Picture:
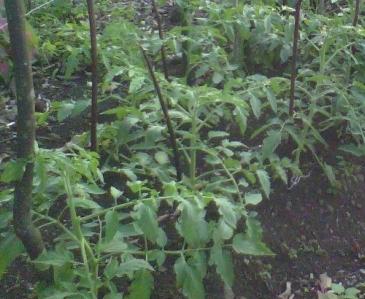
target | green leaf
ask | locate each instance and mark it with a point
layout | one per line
(131, 266)
(162, 158)
(13, 171)
(111, 225)
(270, 143)
(85, 204)
(264, 180)
(10, 249)
(71, 109)
(142, 285)
(272, 99)
(54, 258)
(329, 172)
(115, 193)
(217, 134)
(217, 78)
(191, 225)
(189, 280)
(250, 243)
(253, 198)
(227, 210)
(224, 265)
(255, 105)
(146, 220)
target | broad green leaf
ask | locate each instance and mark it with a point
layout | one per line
(253, 198)
(272, 99)
(250, 243)
(191, 224)
(162, 158)
(10, 248)
(255, 105)
(131, 266)
(111, 225)
(54, 258)
(146, 220)
(270, 143)
(227, 210)
(13, 171)
(189, 280)
(85, 204)
(142, 285)
(224, 265)
(264, 180)
(71, 109)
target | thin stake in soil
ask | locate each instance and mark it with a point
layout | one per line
(165, 111)
(94, 71)
(24, 227)
(294, 59)
(356, 13)
(160, 33)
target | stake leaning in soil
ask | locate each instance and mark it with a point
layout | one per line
(165, 111)
(24, 227)
(94, 71)
(160, 33)
(294, 59)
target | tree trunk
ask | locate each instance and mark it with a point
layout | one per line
(24, 228)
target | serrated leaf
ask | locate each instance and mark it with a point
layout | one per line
(192, 225)
(85, 204)
(131, 266)
(270, 143)
(13, 171)
(162, 158)
(71, 109)
(189, 280)
(111, 225)
(142, 285)
(250, 243)
(264, 180)
(217, 134)
(227, 210)
(10, 248)
(224, 265)
(253, 198)
(146, 220)
(272, 99)
(54, 258)
(255, 105)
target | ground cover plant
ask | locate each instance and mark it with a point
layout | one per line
(169, 135)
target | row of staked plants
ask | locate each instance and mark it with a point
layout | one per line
(192, 141)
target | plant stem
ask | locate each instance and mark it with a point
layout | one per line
(165, 111)
(160, 33)
(193, 146)
(294, 59)
(94, 71)
(24, 227)
(356, 13)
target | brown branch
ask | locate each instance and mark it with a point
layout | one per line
(94, 61)
(160, 33)
(356, 14)
(24, 227)
(166, 115)
(294, 59)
